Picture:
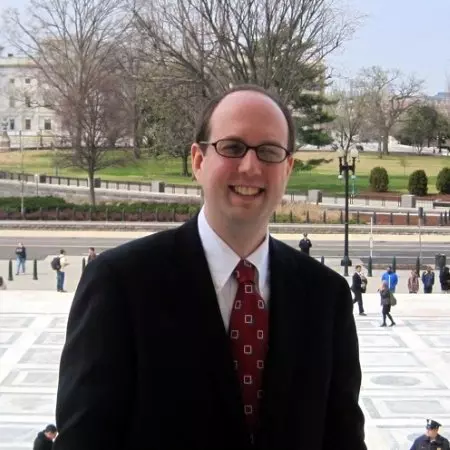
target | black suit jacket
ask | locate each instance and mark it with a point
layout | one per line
(147, 362)
(356, 283)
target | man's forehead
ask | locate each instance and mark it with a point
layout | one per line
(239, 106)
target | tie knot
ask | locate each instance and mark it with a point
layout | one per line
(245, 272)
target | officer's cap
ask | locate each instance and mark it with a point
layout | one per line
(432, 424)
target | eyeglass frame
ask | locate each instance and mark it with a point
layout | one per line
(247, 148)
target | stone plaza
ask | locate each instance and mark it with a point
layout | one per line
(405, 368)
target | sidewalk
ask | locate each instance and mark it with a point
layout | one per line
(275, 228)
(132, 234)
(47, 276)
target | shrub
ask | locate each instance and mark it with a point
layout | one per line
(443, 181)
(379, 179)
(418, 183)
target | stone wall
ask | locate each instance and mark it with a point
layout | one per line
(81, 194)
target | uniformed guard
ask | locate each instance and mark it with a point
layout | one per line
(431, 440)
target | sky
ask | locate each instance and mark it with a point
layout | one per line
(410, 35)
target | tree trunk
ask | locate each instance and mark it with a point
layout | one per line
(91, 174)
(386, 142)
(184, 159)
(137, 151)
(136, 138)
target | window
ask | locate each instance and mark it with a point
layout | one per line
(27, 124)
(27, 101)
(12, 101)
(27, 80)
(11, 124)
(47, 124)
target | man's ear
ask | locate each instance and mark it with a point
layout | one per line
(290, 165)
(197, 156)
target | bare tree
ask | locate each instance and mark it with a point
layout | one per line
(104, 122)
(274, 43)
(137, 71)
(72, 43)
(350, 112)
(389, 96)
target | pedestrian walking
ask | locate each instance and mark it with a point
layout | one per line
(21, 257)
(359, 284)
(391, 279)
(59, 263)
(413, 282)
(431, 440)
(387, 300)
(444, 279)
(91, 254)
(44, 439)
(428, 280)
(305, 244)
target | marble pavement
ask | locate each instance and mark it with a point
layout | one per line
(406, 369)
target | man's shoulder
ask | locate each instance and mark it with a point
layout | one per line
(151, 246)
(420, 438)
(301, 263)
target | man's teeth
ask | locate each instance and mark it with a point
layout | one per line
(246, 190)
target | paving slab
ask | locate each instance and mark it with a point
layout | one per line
(405, 368)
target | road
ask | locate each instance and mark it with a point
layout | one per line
(406, 252)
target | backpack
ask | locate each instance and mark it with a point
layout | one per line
(56, 263)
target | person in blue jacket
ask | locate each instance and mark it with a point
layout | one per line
(391, 279)
(428, 280)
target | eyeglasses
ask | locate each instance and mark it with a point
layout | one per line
(232, 148)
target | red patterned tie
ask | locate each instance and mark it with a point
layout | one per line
(249, 325)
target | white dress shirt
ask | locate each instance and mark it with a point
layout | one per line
(222, 261)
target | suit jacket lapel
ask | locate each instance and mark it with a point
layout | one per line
(286, 327)
(202, 310)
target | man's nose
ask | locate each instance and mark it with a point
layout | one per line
(250, 163)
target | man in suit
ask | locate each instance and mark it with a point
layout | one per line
(200, 337)
(358, 288)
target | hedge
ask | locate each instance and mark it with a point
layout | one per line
(34, 204)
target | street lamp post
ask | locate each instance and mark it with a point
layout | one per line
(22, 181)
(345, 168)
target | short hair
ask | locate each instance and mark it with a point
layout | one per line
(92, 248)
(203, 128)
(62, 251)
(358, 265)
(50, 429)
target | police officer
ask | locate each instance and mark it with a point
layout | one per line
(431, 440)
(305, 244)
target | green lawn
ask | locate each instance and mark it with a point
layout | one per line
(169, 170)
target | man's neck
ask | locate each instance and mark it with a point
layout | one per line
(241, 239)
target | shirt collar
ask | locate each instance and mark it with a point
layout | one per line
(222, 260)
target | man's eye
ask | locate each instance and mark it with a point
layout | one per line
(232, 147)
